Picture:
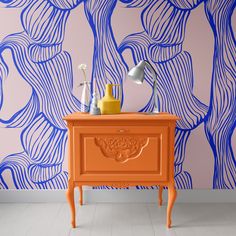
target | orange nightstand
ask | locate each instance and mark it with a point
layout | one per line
(126, 149)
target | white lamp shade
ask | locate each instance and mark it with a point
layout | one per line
(136, 74)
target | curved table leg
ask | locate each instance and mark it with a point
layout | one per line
(81, 195)
(70, 199)
(160, 195)
(172, 194)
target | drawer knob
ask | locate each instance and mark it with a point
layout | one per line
(122, 130)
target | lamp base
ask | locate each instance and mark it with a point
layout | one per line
(155, 110)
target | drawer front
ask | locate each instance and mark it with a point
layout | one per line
(120, 153)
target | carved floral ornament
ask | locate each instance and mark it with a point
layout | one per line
(121, 148)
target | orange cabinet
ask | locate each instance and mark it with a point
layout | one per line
(121, 150)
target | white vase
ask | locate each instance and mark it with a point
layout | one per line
(85, 97)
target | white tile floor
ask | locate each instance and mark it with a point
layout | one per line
(134, 219)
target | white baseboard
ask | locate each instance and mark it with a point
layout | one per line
(117, 196)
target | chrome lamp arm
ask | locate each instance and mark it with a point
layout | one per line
(154, 74)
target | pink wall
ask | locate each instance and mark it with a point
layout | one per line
(199, 42)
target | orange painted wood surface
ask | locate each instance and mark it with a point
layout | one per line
(135, 116)
(121, 150)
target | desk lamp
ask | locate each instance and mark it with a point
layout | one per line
(136, 74)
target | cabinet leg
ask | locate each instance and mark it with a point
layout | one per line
(70, 199)
(160, 195)
(172, 194)
(81, 195)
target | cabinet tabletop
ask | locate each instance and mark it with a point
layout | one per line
(122, 116)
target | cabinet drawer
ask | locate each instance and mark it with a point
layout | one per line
(120, 153)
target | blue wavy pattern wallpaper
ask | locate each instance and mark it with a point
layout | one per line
(40, 59)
